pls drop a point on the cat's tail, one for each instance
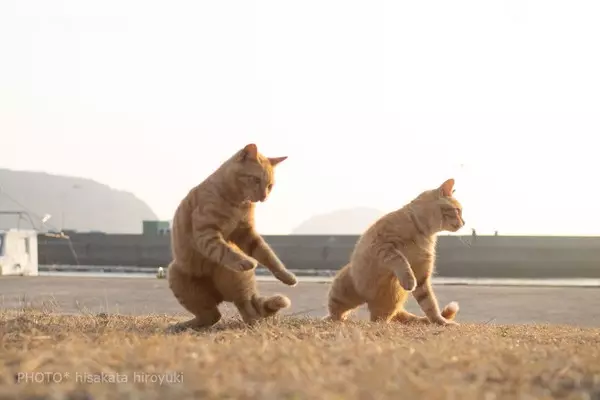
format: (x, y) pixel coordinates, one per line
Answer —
(450, 310)
(342, 296)
(267, 306)
(261, 307)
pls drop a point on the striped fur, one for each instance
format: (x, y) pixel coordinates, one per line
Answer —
(396, 256)
(215, 246)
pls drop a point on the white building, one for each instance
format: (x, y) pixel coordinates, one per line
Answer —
(18, 252)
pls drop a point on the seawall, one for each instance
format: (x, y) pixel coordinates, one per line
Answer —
(457, 256)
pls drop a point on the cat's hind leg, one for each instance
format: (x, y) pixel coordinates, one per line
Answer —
(383, 311)
(203, 319)
(405, 317)
(240, 289)
(449, 312)
(342, 297)
(388, 301)
(197, 295)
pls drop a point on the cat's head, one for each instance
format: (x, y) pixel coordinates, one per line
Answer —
(253, 173)
(444, 212)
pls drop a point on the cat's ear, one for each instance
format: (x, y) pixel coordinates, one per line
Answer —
(276, 160)
(249, 152)
(447, 188)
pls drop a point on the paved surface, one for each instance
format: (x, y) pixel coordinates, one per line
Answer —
(499, 305)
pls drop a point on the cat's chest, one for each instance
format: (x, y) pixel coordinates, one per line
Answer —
(232, 220)
(420, 250)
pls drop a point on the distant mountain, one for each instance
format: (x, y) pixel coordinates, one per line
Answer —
(73, 203)
(351, 221)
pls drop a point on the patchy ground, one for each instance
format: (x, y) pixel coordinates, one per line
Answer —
(113, 356)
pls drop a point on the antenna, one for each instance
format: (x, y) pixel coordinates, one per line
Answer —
(44, 219)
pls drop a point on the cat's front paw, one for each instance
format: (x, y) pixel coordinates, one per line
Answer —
(287, 277)
(408, 282)
(245, 264)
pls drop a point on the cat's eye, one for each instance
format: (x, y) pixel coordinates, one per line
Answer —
(451, 212)
(270, 187)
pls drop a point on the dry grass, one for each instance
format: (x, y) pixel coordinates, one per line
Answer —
(291, 358)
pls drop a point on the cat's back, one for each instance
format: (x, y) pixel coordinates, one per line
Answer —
(364, 269)
(198, 198)
(181, 226)
(397, 230)
(390, 228)
(183, 214)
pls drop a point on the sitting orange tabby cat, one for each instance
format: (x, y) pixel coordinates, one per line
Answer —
(395, 256)
(214, 243)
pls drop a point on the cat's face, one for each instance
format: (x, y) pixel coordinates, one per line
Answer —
(255, 173)
(446, 210)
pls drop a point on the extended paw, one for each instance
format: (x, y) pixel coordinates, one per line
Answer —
(408, 282)
(245, 264)
(287, 277)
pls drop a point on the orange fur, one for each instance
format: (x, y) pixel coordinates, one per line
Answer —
(395, 256)
(215, 246)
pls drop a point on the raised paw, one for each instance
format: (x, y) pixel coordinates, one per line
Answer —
(408, 282)
(245, 264)
(287, 277)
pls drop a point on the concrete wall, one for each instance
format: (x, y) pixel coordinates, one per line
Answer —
(458, 256)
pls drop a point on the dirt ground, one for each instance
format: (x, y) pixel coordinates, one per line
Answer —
(114, 346)
(139, 296)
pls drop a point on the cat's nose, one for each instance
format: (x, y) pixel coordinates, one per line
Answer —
(264, 195)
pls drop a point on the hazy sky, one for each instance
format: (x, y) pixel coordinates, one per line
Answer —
(373, 102)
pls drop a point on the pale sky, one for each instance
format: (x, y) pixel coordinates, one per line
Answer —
(373, 102)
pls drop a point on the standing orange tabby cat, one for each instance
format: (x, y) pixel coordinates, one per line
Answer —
(395, 256)
(215, 246)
